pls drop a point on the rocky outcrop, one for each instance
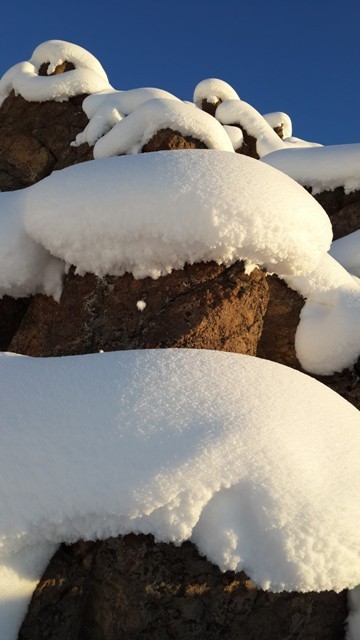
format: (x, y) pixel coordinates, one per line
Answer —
(342, 208)
(35, 139)
(131, 588)
(203, 306)
(168, 140)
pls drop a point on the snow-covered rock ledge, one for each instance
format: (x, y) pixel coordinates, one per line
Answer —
(119, 442)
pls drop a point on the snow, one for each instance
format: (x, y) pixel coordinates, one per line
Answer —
(106, 109)
(133, 132)
(25, 266)
(279, 119)
(250, 460)
(236, 136)
(213, 90)
(141, 304)
(328, 335)
(23, 78)
(321, 168)
(346, 250)
(243, 114)
(151, 213)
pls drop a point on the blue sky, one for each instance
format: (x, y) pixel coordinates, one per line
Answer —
(298, 57)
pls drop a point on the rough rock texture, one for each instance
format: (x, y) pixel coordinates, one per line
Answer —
(210, 107)
(280, 324)
(343, 210)
(35, 139)
(248, 147)
(91, 592)
(168, 140)
(203, 306)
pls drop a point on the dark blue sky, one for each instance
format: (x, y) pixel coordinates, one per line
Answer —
(298, 57)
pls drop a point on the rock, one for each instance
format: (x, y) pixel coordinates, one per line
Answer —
(35, 139)
(282, 317)
(167, 140)
(203, 306)
(342, 208)
(12, 312)
(248, 147)
(132, 588)
(210, 107)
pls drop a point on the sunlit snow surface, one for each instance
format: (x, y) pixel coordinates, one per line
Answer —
(87, 77)
(328, 335)
(251, 460)
(322, 168)
(151, 213)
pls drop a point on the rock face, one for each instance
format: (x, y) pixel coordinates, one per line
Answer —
(203, 306)
(91, 591)
(168, 140)
(35, 139)
(132, 587)
(343, 210)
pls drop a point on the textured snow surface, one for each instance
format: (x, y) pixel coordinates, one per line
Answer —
(133, 132)
(346, 250)
(328, 335)
(151, 213)
(322, 168)
(88, 76)
(251, 460)
(25, 266)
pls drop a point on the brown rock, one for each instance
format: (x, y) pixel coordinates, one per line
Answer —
(210, 107)
(342, 208)
(203, 306)
(248, 147)
(35, 139)
(61, 68)
(281, 320)
(12, 312)
(132, 588)
(168, 140)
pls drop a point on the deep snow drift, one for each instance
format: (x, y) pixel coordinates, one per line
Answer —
(162, 210)
(97, 445)
(321, 168)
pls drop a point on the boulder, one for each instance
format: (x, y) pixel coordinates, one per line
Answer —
(132, 587)
(203, 306)
(35, 139)
(342, 208)
(167, 140)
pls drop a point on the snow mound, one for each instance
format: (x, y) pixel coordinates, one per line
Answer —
(321, 168)
(25, 267)
(178, 444)
(151, 213)
(88, 76)
(279, 119)
(212, 90)
(328, 336)
(106, 109)
(238, 112)
(133, 132)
